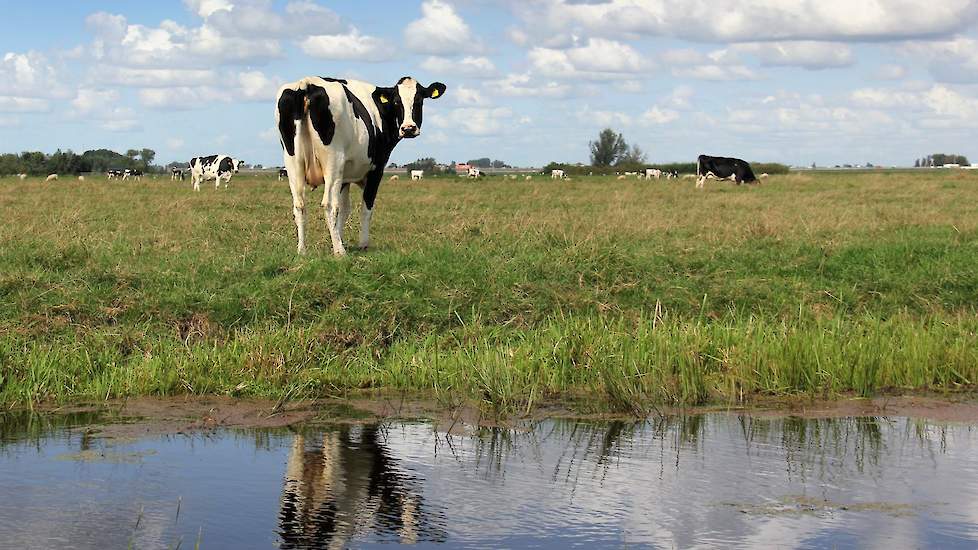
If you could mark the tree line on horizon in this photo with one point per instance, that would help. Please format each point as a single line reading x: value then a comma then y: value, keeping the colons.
x: 940, y: 159
x: 36, y: 163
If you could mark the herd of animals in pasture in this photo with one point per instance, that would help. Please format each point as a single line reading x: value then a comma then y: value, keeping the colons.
x: 336, y: 132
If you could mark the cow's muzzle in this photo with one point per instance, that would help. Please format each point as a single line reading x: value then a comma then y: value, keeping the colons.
x: 410, y: 131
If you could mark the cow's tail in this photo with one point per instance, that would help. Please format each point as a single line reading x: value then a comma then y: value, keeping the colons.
x: 699, y: 166
x: 291, y: 109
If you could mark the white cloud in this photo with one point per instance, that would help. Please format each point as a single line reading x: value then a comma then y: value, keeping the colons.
x: 475, y: 121
x: 256, y: 86
x: 599, y: 59
x: 751, y: 20
x: 353, y: 46
x: 657, y: 116
x: 476, y: 67
x: 717, y: 72
x: 174, y: 143
x: 954, y: 60
x: 463, y: 95
x: 29, y: 75
x: 440, y: 31
x: 12, y: 104
x: 102, y: 106
x: 153, y: 78
x: 523, y: 85
x: 806, y: 53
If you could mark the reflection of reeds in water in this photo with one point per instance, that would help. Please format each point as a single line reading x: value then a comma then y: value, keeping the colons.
x: 29, y: 428
x: 342, y: 484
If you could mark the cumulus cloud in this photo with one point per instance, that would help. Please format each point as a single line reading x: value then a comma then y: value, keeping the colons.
x: 476, y: 121
x: 475, y: 67
x: 440, y: 31
x: 29, y: 74
x: 954, y: 60
x: 353, y: 46
x: 102, y: 107
x: 13, y: 104
x: 524, y: 85
x: 751, y: 20
x: 598, y: 59
x: 717, y: 72
x: 806, y: 53
x: 657, y: 116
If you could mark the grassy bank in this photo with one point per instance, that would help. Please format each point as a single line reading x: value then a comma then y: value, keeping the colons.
x: 629, y: 292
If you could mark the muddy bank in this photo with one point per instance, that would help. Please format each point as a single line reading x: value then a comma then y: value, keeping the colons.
x: 147, y: 416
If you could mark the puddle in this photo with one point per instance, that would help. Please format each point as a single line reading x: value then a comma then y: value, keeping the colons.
x: 713, y: 480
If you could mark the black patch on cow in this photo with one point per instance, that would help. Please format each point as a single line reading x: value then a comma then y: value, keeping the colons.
x: 203, y: 162
x: 225, y: 166
x: 331, y: 79
x: 322, y: 119
x: 290, y: 109
x: 374, y: 141
x: 372, y: 185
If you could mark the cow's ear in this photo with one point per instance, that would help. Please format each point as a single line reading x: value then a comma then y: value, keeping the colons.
x: 436, y: 90
x: 384, y: 96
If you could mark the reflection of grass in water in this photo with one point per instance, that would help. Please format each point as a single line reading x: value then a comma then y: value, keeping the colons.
x: 798, y: 505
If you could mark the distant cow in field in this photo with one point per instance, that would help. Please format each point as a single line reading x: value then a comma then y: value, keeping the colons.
x: 527, y: 178
x: 475, y: 173
x: 52, y: 177
x: 283, y: 174
x: 556, y: 174
x: 652, y: 173
x: 22, y: 176
x: 417, y: 174
x: 136, y: 175
x: 213, y: 167
x: 337, y: 132
x: 176, y: 174
x: 113, y: 173
x: 736, y: 170
x: 81, y: 178
x: 763, y: 176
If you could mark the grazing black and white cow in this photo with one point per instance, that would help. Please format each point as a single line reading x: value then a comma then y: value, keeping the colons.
x: 213, y: 167
x: 735, y: 170
x: 136, y: 175
x: 176, y: 174
x: 113, y: 173
x: 337, y: 132
x: 283, y: 174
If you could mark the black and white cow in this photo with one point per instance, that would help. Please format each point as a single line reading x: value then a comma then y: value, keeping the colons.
x: 735, y: 170
x: 136, y: 175
x: 113, y: 173
x: 213, y: 167
x: 337, y: 132
x: 176, y: 174
x: 283, y: 174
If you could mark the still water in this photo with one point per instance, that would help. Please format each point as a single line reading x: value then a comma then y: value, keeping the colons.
x: 714, y: 480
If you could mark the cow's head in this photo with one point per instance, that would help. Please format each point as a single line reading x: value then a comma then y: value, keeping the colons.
x: 236, y: 164
x: 402, y: 104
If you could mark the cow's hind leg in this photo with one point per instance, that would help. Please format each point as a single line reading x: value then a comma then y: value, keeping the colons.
x: 332, y: 168
x: 297, y: 185
x: 344, y: 211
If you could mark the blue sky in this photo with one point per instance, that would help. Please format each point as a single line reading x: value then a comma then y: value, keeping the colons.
x: 529, y: 81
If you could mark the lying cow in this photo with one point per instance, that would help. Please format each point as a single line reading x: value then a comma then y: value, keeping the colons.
x: 337, y: 132
x: 736, y: 170
x: 213, y: 167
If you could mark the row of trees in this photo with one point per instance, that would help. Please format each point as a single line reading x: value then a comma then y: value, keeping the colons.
x: 37, y: 163
x: 484, y: 162
x: 940, y: 159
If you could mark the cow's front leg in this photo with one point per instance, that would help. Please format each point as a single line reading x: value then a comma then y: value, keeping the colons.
x: 365, y: 213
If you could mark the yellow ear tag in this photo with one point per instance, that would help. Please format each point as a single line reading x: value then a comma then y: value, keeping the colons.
x: 383, y: 99
x: 435, y: 93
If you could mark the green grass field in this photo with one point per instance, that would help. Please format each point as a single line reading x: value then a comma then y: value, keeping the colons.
x: 620, y: 294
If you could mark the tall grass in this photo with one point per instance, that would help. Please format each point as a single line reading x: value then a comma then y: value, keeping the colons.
x: 623, y: 294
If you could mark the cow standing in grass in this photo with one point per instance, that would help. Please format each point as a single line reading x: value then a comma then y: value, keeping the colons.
x: 337, y: 132
x: 214, y: 167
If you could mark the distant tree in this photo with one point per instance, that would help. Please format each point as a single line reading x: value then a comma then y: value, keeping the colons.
x: 427, y: 164
x: 633, y: 157
x: 483, y: 162
x: 146, y: 157
x: 608, y: 149
x: 916, y: 163
x: 499, y: 164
